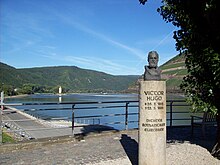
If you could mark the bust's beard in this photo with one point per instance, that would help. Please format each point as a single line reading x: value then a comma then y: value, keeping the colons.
x: 154, y: 65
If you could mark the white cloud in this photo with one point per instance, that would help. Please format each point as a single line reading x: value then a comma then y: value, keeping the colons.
x: 157, y: 41
x: 94, y: 64
x: 164, y: 40
x: 81, y: 27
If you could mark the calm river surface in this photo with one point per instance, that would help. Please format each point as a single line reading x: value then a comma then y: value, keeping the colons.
x: 56, y: 112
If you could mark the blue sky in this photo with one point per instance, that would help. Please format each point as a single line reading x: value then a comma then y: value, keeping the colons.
x: 112, y: 36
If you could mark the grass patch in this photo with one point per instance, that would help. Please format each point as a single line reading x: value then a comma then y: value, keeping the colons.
x: 177, y: 72
x: 6, y: 138
x: 168, y: 66
x: 173, y: 82
x: 183, y: 72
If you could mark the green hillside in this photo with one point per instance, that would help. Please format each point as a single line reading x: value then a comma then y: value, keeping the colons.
x: 69, y: 77
x: 173, y: 72
x: 75, y: 79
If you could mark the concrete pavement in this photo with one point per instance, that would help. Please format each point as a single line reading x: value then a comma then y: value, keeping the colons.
x: 106, y: 148
x: 32, y: 128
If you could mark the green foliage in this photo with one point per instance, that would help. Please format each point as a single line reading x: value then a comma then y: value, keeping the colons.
x: 8, y: 90
x: 200, y: 106
x: 198, y: 36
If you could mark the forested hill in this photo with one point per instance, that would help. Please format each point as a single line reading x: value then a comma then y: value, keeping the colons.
x: 71, y: 78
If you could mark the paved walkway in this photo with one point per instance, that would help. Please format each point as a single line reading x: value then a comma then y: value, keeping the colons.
x: 84, y: 151
x: 106, y: 148
x: 31, y: 128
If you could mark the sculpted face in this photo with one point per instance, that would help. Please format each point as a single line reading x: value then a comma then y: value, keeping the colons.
x: 153, y: 60
x: 152, y: 71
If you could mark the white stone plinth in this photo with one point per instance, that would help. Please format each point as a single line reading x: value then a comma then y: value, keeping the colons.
x: 152, y: 123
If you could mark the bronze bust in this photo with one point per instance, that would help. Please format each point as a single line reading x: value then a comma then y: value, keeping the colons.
x: 152, y: 72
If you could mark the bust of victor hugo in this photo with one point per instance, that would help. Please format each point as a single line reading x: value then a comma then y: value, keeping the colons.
x: 152, y: 72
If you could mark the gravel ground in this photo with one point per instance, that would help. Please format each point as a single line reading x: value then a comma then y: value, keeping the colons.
x: 177, y: 154
x: 189, y: 154
x: 108, y: 148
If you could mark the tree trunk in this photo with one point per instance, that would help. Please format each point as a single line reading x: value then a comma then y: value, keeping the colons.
x: 216, y: 148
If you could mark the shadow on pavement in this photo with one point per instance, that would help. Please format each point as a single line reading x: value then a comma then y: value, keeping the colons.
x: 181, y: 134
x: 131, y: 148
x: 96, y: 129
x: 174, y: 135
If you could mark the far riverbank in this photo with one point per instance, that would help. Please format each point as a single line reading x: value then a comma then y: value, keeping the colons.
x: 103, y: 94
x: 16, y: 96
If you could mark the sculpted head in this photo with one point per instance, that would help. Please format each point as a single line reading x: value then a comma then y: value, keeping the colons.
x: 152, y: 71
x: 153, y: 59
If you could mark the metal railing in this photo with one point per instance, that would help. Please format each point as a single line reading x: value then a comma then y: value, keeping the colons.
x: 110, y: 105
x: 122, y: 110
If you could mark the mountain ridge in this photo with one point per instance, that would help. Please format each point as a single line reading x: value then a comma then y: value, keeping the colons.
x: 70, y: 77
x: 75, y: 79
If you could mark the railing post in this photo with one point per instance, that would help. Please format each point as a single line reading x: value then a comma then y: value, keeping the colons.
x: 1, y: 112
x: 171, y: 113
x: 1, y: 133
x: 126, y: 115
x: 73, y: 118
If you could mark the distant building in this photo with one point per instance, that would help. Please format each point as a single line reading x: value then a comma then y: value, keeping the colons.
x: 60, y: 90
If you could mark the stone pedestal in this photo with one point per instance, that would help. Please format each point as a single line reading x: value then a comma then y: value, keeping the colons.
x: 152, y: 123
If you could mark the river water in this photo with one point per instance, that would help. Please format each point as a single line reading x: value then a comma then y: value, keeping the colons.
x: 64, y: 111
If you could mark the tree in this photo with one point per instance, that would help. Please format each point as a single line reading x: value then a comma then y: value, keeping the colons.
x: 8, y: 90
x: 28, y: 89
x: 198, y: 39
